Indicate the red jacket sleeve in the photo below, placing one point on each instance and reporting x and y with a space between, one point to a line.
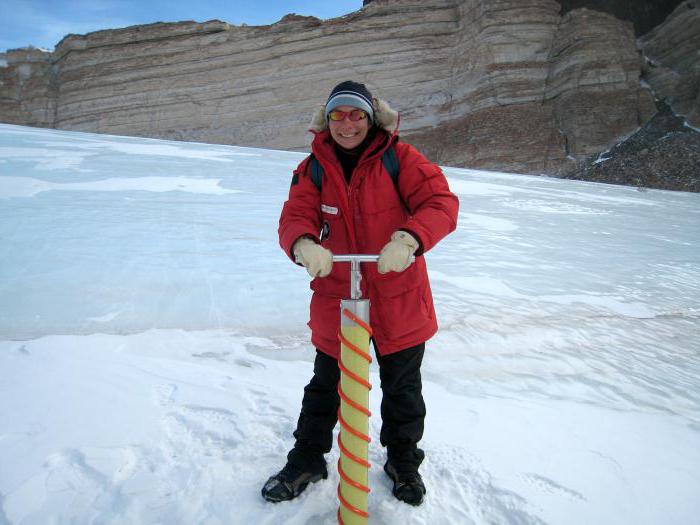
301 213
424 189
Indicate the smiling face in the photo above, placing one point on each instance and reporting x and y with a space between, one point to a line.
346 133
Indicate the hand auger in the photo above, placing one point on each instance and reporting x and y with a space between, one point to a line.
353 414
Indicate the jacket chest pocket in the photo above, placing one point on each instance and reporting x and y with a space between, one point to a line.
379 195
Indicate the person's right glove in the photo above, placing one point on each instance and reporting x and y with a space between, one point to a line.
396 254
317 260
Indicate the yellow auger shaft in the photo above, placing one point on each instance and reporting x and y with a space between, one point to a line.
354 387
353 441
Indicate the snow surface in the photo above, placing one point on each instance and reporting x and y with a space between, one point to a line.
690 126
153 347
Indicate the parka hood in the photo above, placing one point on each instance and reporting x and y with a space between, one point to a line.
384 117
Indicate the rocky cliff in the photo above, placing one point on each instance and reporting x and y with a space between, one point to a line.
665 152
672 61
523 85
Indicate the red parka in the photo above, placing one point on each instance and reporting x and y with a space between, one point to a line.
360 217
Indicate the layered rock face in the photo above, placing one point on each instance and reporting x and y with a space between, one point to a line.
28 88
532 90
593 84
672 67
505 84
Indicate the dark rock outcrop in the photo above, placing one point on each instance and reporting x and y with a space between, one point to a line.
645 15
664 154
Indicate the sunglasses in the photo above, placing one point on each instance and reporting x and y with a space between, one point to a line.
356 114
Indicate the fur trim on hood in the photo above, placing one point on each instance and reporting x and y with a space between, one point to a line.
384 117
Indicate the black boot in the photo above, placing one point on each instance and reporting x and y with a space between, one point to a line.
291 481
408 486
402 469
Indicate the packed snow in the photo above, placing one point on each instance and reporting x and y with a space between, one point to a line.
154 348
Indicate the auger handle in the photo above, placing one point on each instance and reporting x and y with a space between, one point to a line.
355 273
359 257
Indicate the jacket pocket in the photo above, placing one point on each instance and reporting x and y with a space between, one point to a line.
404 316
393 284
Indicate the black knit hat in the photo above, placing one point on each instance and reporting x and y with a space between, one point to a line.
353 94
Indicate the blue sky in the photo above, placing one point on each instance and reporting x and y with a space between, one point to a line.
42 23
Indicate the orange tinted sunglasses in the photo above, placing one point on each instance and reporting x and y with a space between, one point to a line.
356 114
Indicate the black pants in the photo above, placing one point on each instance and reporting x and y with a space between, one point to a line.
403 409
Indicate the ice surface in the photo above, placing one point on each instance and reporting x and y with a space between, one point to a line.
153 346
119 240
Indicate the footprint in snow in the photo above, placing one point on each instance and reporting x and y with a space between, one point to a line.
217 356
69 471
552 487
164 394
203 430
461 491
248 363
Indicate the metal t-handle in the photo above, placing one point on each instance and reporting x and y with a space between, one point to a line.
355 273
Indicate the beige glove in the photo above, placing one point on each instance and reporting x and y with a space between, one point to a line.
396 254
316 259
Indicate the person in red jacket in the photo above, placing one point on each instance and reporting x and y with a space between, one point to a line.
360 208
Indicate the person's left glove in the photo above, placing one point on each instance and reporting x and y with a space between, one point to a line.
396 254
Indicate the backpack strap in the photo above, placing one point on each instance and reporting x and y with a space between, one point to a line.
316 172
391 164
389 160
